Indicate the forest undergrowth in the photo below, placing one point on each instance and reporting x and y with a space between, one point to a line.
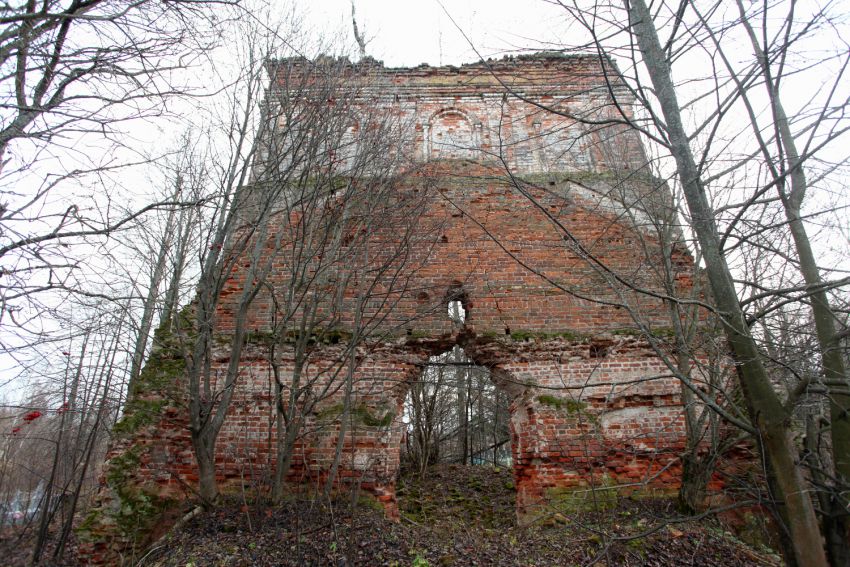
456 515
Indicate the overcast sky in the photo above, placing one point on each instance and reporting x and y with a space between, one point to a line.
405 33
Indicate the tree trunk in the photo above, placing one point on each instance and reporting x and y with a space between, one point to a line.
288 427
696 474
462 406
150 303
766 410
834 369
205 457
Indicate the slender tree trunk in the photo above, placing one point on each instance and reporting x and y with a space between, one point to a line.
204 446
58 454
172 295
344 420
767 412
288 424
149 305
462 408
832 361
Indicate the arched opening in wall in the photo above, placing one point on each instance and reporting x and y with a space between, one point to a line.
457 312
455 414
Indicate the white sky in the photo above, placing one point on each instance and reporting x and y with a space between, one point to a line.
406 33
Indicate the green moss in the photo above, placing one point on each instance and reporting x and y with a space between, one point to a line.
415 335
138 414
138 509
628 332
366 500
360 413
157 382
165 365
652 493
330 413
543 336
584 499
663 332
658 332
317 336
135 510
255 337
570 405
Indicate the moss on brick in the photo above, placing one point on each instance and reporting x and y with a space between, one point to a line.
416 335
361 414
367 500
570 405
164 367
136 510
367 418
572 500
317 336
330 413
138 413
157 383
658 332
544 336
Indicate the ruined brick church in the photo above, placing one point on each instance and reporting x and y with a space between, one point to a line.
536 210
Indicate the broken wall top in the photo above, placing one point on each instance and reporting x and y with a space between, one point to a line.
476 142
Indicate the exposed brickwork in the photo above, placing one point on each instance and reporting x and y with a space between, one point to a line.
590 403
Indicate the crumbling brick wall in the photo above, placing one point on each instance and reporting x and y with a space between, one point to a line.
552 264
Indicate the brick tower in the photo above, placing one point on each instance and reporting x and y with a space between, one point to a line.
509 186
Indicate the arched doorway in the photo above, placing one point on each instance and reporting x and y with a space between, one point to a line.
454 413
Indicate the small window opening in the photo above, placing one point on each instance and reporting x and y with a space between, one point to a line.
456 311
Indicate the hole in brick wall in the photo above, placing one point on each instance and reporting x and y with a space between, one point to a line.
598 350
507 330
422 297
457 306
444 239
455 413
456 311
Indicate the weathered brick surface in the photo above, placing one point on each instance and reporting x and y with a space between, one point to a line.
551 289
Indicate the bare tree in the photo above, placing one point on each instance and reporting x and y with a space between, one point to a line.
323 162
696 141
768 411
76 76
339 189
